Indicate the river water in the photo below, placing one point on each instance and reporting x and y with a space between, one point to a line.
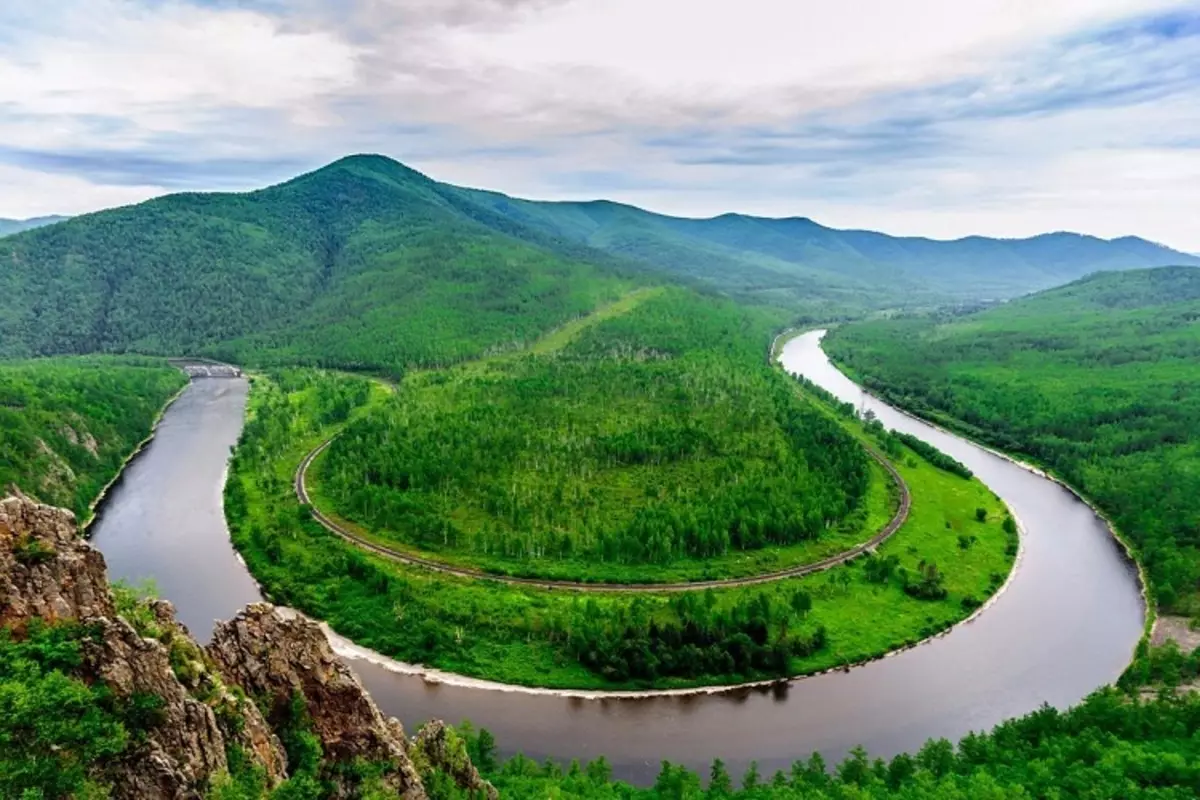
1066 623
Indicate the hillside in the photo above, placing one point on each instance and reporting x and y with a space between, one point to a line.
360 264
368 264
798 261
11 226
67 425
1099 379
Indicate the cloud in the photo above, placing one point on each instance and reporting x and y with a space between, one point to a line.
929 116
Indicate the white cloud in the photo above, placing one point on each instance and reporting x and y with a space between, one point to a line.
165 65
923 116
30 193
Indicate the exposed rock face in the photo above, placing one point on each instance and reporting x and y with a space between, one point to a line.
277 658
45 570
446 752
185 747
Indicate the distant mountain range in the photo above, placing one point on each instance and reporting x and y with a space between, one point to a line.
365 246
795 258
11 226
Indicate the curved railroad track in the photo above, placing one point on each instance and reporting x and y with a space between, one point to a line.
434 565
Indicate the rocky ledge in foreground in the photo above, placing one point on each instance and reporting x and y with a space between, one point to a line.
266 679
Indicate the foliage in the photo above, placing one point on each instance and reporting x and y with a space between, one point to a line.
55 729
799 263
66 425
363 264
933 455
368 264
639 444
602 640
1109 746
1098 380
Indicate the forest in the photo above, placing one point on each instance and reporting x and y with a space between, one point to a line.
67 424
600 640
636 444
1098 380
362 265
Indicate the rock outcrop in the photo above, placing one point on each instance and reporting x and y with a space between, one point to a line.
444 751
276 658
185 747
205 701
45 570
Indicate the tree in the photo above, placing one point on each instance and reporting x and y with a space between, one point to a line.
751 778
720 784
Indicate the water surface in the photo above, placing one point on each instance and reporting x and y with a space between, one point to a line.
1066 624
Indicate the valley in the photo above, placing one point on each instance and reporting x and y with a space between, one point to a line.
531 461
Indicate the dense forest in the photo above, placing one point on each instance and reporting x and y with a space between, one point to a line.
822 271
367 264
1098 380
67 425
922 581
654 436
360 265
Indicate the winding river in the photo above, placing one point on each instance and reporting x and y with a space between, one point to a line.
1066 623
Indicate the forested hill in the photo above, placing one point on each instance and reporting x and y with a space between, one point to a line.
361 264
11 226
1099 379
795 260
366 263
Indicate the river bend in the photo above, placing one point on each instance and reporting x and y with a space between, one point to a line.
1066 623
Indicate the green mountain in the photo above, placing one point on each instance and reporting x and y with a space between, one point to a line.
367 263
364 264
796 260
1099 380
11 226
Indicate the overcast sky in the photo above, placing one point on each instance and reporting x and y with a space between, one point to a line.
933 117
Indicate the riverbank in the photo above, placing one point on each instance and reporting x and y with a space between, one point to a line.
99 499
1061 627
1126 546
522 635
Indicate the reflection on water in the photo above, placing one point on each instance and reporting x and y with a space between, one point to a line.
1066 625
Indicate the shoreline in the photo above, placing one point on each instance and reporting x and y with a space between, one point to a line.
1149 608
98 500
351 651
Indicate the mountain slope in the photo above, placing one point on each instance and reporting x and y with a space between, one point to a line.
1099 379
368 264
11 226
796 258
360 264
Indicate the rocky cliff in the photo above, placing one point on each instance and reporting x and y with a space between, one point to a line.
235 701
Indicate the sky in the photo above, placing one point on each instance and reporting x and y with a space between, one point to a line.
941 118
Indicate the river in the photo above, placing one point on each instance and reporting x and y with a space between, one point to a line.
1066 623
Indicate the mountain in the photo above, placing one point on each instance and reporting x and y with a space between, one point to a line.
11 226
367 263
794 258
361 264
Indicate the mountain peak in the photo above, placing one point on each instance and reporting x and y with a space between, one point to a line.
375 165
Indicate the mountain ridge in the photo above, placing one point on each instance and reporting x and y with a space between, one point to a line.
11 226
355 263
